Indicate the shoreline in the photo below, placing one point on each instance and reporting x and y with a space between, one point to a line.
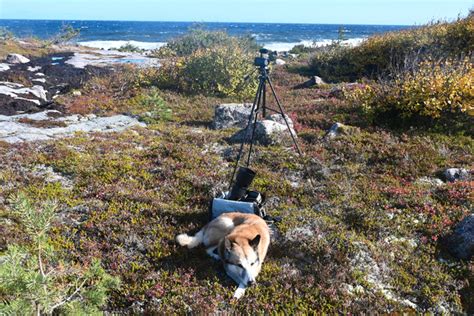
275 46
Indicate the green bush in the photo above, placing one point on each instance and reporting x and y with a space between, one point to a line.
384 53
216 71
35 280
199 38
130 48
150 107
432 90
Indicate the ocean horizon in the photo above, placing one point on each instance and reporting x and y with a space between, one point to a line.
154 34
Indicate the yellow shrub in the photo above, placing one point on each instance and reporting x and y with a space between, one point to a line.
382 53
432 90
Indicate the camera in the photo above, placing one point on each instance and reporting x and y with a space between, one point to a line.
266 56
239 198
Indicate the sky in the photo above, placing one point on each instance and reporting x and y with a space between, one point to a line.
391 12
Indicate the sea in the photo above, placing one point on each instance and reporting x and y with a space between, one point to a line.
151 35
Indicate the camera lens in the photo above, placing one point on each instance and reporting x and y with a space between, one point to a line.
242 182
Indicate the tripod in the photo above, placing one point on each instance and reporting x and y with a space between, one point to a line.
259 106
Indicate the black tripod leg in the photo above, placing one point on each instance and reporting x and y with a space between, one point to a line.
289 128
259 89
255 120
284 117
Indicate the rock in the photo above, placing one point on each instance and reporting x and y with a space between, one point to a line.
107 58
34 69
313 81
279 119
341 129
456 174
17 59
461 242
231 115
14 89
267 132
13 131
432 182
375 274
15 97
280 62
4 67
51 176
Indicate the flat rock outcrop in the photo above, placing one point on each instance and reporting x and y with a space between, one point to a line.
47 125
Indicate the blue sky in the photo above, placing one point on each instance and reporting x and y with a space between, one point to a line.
406 12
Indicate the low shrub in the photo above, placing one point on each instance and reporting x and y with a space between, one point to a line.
380 54
207 63
216 71
150 107
433 90
199 38
130 48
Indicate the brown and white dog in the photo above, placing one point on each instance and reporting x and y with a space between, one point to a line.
240 240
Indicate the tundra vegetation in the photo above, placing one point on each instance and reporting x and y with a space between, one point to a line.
367 238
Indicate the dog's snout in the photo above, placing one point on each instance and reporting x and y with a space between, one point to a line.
251 282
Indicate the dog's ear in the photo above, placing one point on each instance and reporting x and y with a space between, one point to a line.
254 242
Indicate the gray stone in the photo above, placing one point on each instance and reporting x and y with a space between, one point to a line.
12 131
461 242
340 129
106 58
267 132
313 81
431 182
51 176
456 174
231 115
4 67
17 59
280 62
34 69
279 119
13 90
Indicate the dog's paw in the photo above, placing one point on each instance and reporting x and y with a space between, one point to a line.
184 240
239 292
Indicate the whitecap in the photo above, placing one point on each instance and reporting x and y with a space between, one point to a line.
118 44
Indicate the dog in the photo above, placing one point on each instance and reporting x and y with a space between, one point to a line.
239 240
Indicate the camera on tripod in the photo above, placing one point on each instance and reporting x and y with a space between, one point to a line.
266 56
239 198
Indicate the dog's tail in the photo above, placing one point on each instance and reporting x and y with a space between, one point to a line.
190 241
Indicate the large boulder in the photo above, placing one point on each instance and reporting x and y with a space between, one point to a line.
271 131
231 115
17 59
456 174
461 242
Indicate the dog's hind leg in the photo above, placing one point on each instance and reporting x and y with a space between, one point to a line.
212 251
190 241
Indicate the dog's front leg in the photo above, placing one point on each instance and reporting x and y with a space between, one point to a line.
240 291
